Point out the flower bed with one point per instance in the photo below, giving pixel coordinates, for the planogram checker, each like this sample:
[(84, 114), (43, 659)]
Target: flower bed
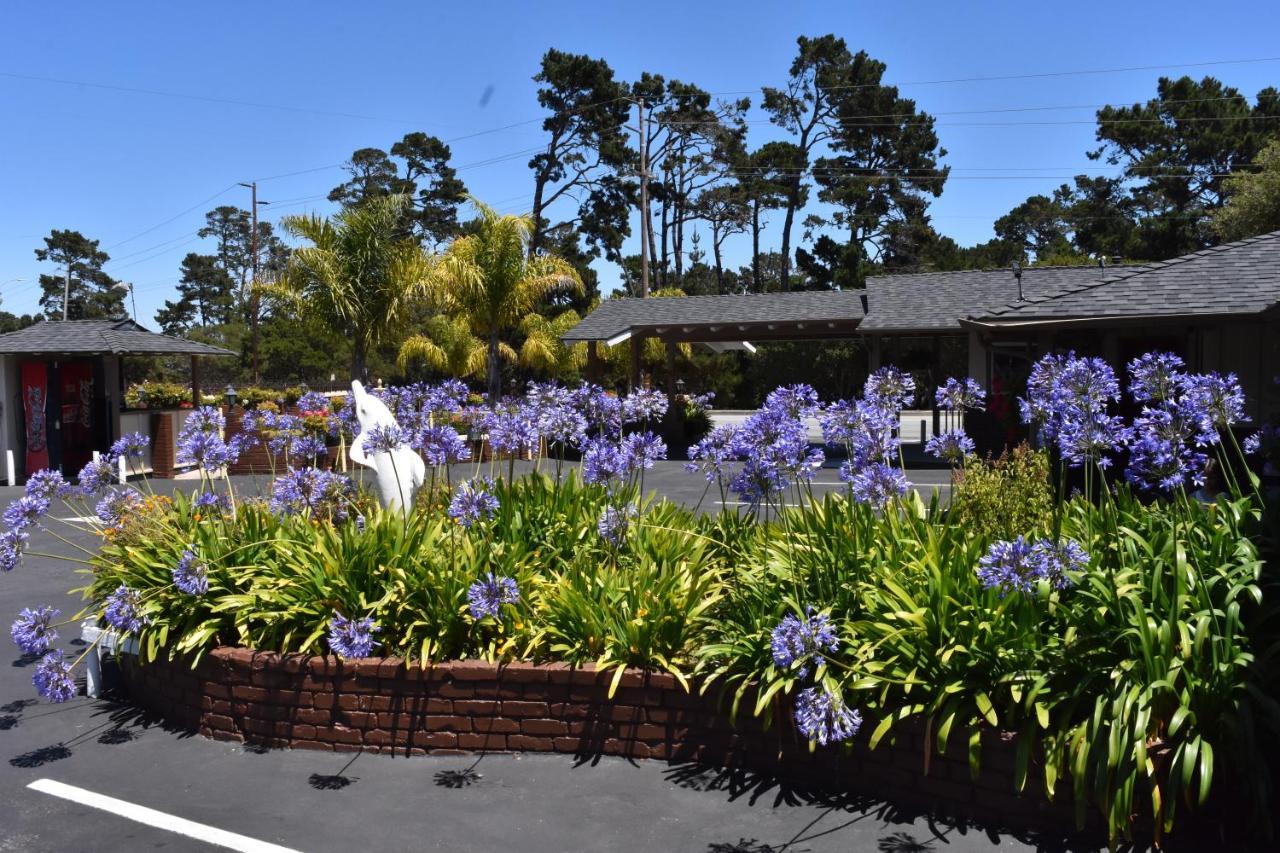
[(379, 705)]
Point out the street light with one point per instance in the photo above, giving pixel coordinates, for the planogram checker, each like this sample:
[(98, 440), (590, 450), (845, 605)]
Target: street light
[(230, 395), (128, 286)]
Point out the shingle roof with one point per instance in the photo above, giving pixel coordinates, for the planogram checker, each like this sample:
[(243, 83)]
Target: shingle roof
[(97, 337), (1235, 278), (934, 301), (616, 316)]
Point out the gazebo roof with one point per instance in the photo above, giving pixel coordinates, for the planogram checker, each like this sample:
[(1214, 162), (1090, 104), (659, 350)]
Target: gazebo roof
[(99, 337)]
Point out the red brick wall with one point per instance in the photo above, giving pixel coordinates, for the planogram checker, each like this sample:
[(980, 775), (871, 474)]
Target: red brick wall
[(378, 705)]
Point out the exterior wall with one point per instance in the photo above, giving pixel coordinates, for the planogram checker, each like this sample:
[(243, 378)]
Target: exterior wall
[(10, 413), (380, 705)]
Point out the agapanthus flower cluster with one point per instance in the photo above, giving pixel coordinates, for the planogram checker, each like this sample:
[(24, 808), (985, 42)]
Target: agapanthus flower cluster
[(33, 632), (822, 716), (351, 638), (713, 453), (1066, 402), (513, 430), (798, 640), (200, 442), (123, 610), (956, 395), (641, 449), (116, 505), (48, 484), (602, 410), (952, 447), (25, 511), (211, 502), (890, 387), (384, 438), (133, 445), (473, 502), (644, 406), (12, 544), (486, 596), (441, 445), (1019, 564), (311, 490), (52, 678), (615, 522), (190, 574), (313, 404), (774, 446), (875, 483), (95, 476)]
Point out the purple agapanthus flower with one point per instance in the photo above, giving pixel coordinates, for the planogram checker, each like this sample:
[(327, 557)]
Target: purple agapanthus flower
[(793, 401), (310, 490), (823, 716), (603, 460), (190, 575), (1156, 377), (1019, 564), (486, 596), (25, 511), (351, 638), (474, 501), (116, 505), (956, 395), (1253, 444), (441, 445), (512, 431), (644, 405), (12, 544), (875, 484), (95, 476), (33, 632), (713, 453), (1054, 561), (211, 502), (205, 450), (1220, 397), (1163, 455), (385, 438), (891, 388), (48, 484), (1091, 438), (797, 640), (614, 523), (314, 403), (133, 445), (52, 678), (950, 447), (307, 448), (123, 610), (642, 449)]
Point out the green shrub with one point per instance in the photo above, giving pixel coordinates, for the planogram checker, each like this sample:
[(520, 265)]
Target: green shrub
[(157, 395), (1001, 498)]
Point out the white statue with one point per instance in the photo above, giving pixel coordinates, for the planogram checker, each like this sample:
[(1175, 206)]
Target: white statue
[(399, 472)]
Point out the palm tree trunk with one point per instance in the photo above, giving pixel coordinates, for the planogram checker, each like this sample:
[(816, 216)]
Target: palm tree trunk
[(359, 359), (495, 374)]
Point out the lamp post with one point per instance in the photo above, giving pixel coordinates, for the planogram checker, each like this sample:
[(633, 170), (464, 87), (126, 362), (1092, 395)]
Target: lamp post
[(128, 288), (230, 396)]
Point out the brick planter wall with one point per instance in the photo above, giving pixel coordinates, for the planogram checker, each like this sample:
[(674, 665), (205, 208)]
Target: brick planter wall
[(377, 705)]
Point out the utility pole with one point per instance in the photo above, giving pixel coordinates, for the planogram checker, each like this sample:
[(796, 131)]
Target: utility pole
[(66, 292), (253, 292), (644, 203)]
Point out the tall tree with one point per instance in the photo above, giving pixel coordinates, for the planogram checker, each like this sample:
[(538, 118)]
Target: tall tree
[(726, 209), (357, 277), (1178, 149), (1253, 198), (232, 231), (1037, 227), (489, 279), (806, 108), (883, 166), (91, 292), (418, 167), (1100, 214), (584, 153), (764, 179)]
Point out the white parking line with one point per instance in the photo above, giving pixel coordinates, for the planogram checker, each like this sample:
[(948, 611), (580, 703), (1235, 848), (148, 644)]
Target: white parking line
[(160, 820)]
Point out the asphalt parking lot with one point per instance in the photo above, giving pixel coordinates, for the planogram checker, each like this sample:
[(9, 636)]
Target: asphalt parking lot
[(107, 778)]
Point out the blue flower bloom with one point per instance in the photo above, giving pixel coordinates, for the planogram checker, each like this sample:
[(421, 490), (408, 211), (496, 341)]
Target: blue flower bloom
[(12, 544), (32, 632), (1253, 444), (206, 450), (1019, 564), (796, 641), (1052, 561), (441, 445), (956, 395), (122, 610), (310, 490), (487, 595), (48, 485), (951, 447), (614, 523), (713, 453), (822, 716), (25, 511), (190, 575), (876, 483), (1156, 377), (473, 501), (1091, 437), (351, 638), (307, 448), (95, 476), (793, 401), (116, 505), (644, 405), (1220, 397), (1162, 455), (314, 403), (642, 449), (52, 678), (385, 438), (212, 502), (602, 461), (133, 445), (890, 388)]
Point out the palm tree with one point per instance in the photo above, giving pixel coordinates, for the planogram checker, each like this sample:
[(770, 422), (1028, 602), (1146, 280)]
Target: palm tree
[(487, 279), (358, 276), (447, 346)]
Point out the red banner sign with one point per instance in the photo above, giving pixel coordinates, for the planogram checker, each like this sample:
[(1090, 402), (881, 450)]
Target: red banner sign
[(35, 391)]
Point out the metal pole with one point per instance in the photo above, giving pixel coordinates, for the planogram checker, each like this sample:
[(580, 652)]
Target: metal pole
[(644, 203), (253, 294), (66, 292)]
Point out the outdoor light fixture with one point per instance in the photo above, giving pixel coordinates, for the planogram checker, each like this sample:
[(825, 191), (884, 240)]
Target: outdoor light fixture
[(231, 396), (679, 386)]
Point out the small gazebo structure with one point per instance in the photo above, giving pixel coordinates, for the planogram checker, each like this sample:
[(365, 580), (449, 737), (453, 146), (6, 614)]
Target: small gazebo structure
[(62, 389)]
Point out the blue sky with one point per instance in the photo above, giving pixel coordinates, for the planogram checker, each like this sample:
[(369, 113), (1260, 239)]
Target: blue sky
[(123, 166)]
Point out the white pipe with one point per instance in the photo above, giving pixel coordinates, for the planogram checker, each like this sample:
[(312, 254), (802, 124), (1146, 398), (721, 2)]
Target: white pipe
[(8, 468), (123, 467), (617, 339)]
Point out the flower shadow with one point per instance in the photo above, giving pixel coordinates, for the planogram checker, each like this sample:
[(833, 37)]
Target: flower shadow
[(40, 757)]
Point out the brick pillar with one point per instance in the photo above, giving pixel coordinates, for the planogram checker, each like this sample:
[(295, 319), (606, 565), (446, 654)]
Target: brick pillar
[(162, 449)]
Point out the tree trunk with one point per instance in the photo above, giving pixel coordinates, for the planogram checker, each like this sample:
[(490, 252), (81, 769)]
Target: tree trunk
[(653, 246), (665, 233), (535, 239), (755, 244), (359, 359), (715, 248), (495, 370), (793, 198)]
